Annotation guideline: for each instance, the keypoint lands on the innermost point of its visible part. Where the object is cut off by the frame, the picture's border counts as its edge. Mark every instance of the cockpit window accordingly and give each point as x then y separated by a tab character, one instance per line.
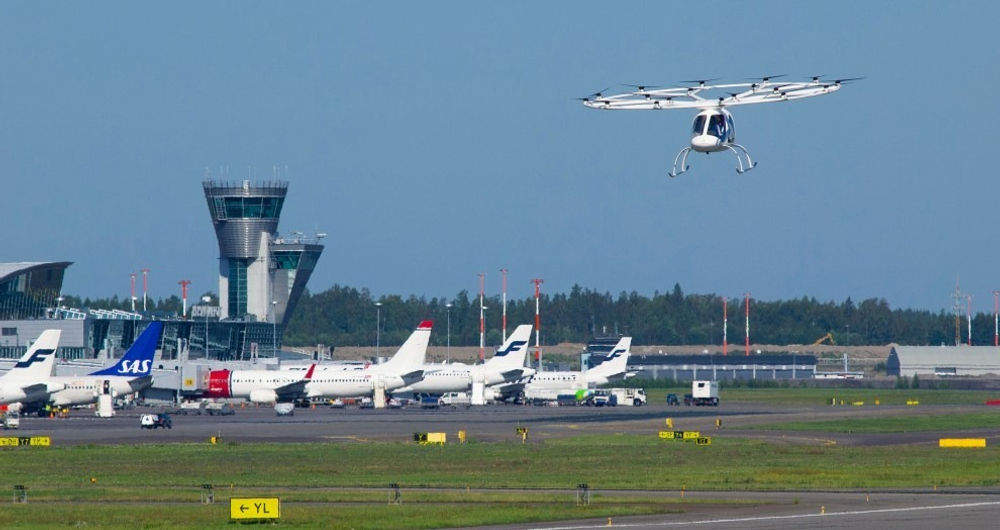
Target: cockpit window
718	126
699	125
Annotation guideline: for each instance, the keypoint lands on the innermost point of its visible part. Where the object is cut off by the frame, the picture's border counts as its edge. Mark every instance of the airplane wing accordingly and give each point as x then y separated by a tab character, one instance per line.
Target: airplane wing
296	389
413	377
36	389
513	375
140	383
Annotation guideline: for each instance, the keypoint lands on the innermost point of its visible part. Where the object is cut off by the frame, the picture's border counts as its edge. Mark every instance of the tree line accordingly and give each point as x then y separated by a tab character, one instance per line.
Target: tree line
346	316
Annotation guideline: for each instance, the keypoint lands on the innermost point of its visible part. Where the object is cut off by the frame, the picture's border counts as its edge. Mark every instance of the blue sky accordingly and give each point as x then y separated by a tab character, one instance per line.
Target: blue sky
432	141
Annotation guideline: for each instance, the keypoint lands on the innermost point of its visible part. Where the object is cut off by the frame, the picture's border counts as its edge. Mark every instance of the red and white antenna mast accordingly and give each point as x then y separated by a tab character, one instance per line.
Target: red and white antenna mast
184	297
504	324
133	275
725	325
968	316
996	318
482	318
747	295
145	272
538	325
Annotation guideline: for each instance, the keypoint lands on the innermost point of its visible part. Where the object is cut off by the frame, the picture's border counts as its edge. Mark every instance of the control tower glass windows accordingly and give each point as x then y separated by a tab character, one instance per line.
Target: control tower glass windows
238	287
246	207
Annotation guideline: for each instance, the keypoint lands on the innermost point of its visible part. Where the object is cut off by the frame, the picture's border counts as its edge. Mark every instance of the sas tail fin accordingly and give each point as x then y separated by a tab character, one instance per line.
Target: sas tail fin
413	352
37	362
512	353
138	360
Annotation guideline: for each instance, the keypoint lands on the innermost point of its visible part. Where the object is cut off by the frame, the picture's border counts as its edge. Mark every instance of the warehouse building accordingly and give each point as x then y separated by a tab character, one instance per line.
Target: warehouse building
908	361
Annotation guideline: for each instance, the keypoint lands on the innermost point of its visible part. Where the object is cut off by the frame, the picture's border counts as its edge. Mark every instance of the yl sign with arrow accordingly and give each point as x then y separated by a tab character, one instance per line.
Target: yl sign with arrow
254	508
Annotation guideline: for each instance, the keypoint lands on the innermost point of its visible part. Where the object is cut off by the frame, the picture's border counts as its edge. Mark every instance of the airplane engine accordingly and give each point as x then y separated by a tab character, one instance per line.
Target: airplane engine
263	396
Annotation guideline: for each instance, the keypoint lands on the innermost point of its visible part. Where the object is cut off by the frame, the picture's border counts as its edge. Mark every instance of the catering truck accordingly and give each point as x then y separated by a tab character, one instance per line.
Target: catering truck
703	393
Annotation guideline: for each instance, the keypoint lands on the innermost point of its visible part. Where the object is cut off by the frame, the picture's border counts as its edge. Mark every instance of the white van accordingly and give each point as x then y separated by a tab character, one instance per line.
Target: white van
456	399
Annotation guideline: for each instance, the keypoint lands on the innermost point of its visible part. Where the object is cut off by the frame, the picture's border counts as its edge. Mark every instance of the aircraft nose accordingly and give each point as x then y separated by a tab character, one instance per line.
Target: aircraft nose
704	143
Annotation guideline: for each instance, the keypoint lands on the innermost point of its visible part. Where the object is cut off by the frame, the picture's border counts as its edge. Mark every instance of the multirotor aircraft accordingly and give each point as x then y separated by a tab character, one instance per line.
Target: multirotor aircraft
713	129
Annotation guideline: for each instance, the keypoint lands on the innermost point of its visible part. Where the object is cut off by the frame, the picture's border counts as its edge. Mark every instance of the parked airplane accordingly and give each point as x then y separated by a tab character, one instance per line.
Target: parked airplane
406	367
548	385
506	365
29	379
273	386
132	373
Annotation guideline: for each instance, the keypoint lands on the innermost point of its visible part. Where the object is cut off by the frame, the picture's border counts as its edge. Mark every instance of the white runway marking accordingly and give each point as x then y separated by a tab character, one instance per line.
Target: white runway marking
775	517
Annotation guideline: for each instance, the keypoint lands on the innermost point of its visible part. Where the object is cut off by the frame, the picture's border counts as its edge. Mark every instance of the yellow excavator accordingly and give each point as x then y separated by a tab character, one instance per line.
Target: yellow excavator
827	337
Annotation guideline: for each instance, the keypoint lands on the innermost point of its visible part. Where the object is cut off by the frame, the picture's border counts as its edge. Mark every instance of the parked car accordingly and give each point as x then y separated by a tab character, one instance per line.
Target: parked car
155	421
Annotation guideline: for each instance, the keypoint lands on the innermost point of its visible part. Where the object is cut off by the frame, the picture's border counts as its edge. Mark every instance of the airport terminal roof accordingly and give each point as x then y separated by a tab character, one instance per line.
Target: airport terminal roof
11	269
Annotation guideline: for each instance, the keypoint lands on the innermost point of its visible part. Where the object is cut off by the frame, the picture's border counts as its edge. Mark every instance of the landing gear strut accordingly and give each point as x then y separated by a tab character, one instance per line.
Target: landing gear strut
740	155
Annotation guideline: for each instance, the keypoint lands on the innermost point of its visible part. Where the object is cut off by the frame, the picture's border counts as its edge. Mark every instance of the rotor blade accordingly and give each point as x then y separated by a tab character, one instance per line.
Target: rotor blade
847	80
816	78
701	82
766	78
642	88
595	95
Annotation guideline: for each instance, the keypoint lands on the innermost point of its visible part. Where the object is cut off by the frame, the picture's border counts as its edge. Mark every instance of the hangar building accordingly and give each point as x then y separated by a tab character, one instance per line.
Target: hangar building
908	361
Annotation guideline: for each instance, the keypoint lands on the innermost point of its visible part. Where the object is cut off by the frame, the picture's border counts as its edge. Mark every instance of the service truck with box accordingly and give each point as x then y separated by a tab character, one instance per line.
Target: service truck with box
703	393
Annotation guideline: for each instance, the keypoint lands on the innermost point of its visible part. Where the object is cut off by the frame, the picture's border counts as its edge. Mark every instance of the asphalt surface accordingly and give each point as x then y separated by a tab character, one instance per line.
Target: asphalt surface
782	510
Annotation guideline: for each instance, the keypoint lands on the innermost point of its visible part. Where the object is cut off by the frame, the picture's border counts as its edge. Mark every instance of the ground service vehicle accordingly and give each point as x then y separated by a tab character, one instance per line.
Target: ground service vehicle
11	420
455	399
284	409
155	421
220	409
672	399
628	397
192	407
703	393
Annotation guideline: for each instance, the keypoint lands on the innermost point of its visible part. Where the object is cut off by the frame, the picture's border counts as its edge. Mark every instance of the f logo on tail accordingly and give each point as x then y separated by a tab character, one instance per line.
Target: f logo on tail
514	346
614	355
38	356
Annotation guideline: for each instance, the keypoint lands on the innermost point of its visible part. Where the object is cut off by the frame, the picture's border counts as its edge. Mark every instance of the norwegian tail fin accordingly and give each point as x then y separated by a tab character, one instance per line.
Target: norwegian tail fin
138	360
37	362
412	354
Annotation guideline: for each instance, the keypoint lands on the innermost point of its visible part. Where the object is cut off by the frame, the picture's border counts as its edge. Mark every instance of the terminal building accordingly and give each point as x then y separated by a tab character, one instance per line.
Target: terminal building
262	275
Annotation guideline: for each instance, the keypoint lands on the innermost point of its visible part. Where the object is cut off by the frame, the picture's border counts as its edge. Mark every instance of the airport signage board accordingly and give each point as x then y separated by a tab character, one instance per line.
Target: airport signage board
9	441
254	508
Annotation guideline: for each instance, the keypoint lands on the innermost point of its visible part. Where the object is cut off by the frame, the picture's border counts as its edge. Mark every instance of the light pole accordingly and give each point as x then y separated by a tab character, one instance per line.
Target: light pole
378	326
274	328
448	349
59	301
206	300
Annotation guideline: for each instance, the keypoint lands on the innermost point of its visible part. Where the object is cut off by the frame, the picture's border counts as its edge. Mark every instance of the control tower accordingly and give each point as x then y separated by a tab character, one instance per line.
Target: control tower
261	275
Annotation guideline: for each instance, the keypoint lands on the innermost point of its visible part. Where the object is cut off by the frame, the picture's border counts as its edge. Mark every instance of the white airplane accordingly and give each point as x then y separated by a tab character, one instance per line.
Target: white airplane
506	365
132	373
548	385
273	386
29	379
714	130
406	367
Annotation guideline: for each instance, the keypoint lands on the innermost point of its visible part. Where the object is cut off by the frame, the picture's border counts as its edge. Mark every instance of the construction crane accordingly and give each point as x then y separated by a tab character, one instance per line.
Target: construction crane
827	337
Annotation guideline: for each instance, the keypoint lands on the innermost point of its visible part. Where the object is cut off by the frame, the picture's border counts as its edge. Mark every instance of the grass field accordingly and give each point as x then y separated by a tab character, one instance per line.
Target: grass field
823	396
345	486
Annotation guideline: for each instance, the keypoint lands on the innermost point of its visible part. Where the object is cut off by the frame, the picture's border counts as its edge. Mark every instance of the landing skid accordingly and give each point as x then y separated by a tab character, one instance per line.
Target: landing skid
740	155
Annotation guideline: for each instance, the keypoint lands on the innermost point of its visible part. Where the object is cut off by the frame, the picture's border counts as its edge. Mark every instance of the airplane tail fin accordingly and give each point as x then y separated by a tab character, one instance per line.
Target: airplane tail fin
512	353
413	352
616	361
37	362
138	360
